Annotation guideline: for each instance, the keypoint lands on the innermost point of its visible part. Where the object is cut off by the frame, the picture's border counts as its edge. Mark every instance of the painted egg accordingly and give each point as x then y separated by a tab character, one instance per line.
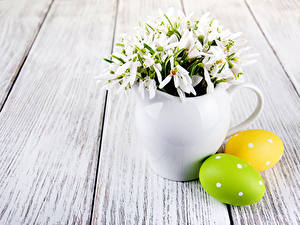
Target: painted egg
261	148
231	180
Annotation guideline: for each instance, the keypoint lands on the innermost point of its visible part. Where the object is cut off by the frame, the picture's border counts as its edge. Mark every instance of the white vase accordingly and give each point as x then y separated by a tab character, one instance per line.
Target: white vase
179	135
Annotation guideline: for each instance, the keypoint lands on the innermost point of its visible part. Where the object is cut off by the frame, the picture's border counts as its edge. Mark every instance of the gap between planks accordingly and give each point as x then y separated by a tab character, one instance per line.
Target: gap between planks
271	46
227	206
229	210
182	213
45	31
103	121
24	58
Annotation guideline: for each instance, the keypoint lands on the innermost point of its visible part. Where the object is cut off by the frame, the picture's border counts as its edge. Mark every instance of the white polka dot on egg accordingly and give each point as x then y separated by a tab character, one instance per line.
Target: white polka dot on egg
250	145
239	166
218	185
241	193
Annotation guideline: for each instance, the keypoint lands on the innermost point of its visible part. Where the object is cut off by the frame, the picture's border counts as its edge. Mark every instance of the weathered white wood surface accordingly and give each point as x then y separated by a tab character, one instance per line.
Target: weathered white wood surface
128	192
50	123
50	126
20	21
280	22
280	204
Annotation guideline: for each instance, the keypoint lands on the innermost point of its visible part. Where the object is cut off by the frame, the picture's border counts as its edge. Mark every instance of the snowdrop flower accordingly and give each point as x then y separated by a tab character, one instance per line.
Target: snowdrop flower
157	67
189	50
147	84
182	80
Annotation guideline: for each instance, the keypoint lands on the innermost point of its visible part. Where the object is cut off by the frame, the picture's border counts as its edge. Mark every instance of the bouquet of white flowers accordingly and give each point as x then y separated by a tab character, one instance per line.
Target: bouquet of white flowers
197	54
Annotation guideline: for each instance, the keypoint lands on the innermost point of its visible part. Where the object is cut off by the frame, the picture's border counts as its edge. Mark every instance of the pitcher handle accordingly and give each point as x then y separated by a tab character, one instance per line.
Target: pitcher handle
232	89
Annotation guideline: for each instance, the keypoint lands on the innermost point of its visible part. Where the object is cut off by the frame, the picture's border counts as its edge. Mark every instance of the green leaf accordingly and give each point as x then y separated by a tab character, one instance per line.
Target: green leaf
201	38
107	60
147	29
118	58
192	64
193	69
140	58
195	27
220	70
169	21
219	81
175	55
229	44
150	27
210	23
201	65
165	63
160	48
149	48
230	56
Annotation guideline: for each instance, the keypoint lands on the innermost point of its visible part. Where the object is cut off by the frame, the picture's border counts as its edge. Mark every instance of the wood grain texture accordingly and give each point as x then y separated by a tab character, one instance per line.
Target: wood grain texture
19	25
50	123
128	191
280	22
281	204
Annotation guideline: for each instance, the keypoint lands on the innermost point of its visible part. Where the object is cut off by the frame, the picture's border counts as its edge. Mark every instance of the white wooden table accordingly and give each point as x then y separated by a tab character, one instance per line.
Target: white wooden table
68	151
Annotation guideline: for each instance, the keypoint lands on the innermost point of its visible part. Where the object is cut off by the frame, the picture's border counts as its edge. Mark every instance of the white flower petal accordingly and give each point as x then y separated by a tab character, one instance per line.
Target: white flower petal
165	81
173	38
158	66
194	53
172	45
181	94
149	62
152	88
182	70
123	68
176	81
236	69
157	72
184	86
133	70
172	62
196	79
193	91
141	89
210	85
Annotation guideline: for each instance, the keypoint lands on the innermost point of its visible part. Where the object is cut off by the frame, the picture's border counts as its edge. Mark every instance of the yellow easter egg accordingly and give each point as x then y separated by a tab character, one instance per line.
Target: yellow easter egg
260	148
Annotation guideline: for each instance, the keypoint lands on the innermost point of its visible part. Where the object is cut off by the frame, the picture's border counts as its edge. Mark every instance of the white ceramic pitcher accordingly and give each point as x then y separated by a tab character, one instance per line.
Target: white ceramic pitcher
179	135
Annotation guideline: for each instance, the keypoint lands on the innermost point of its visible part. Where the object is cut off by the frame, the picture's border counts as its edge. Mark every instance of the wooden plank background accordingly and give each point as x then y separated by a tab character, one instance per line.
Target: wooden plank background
280	115
19	26
57	164
279	22
50	124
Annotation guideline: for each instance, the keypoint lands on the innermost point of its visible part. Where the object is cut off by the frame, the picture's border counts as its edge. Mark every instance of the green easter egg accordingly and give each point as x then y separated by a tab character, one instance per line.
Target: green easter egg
231	180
